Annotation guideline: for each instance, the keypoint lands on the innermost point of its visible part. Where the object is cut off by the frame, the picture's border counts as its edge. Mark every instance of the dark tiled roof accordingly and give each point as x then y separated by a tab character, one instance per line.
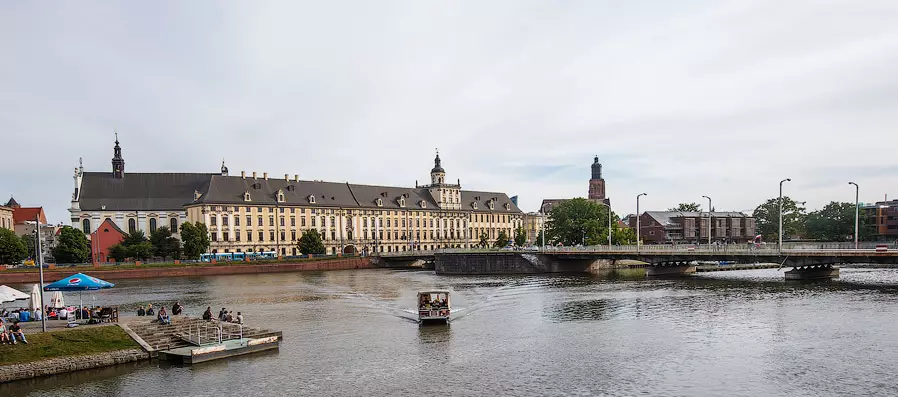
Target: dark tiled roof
12	202
140	191
230	190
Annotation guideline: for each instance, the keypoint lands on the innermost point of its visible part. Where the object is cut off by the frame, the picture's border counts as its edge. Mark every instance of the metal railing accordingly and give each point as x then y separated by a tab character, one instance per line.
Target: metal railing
212	332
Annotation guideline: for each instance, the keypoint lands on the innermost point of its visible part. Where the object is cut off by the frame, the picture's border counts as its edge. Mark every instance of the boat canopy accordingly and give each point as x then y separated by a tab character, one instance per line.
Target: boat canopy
433	292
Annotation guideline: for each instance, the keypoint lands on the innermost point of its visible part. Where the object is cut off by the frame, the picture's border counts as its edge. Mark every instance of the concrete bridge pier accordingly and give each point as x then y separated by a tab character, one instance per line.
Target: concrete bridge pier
669	269
813	272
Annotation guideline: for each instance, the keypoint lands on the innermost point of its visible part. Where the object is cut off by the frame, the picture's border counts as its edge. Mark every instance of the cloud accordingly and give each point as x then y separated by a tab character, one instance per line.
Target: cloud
678	100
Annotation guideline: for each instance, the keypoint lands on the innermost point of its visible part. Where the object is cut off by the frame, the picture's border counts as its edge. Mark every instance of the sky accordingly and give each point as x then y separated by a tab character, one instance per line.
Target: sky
678	99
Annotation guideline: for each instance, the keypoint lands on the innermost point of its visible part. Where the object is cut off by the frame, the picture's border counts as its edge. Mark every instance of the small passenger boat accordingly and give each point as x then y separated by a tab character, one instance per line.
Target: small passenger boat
433	307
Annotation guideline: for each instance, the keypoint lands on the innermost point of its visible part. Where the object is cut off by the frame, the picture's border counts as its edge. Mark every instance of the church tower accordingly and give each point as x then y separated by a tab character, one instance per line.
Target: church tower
597	183
437	174
447	196
118	163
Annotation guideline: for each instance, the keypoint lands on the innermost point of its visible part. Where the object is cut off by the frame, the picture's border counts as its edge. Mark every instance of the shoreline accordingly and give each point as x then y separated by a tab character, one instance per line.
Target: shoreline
60	365
186	270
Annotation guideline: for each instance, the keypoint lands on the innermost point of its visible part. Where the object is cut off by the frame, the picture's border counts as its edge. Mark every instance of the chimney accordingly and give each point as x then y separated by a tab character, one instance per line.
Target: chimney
254	174
287	177
265	176
296	177
243	174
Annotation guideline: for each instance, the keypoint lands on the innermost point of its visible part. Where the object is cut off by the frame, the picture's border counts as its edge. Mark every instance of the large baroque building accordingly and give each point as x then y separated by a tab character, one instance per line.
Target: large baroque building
255	213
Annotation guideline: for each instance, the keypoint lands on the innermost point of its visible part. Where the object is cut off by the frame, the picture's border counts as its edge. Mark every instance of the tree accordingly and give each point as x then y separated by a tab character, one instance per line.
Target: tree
767	218
140	251
28	240
164	244
119	253
501	240
72	246
310	243
136	237
686	207
12	249
539	239
577	221
834	222
520	237
484	240
196	239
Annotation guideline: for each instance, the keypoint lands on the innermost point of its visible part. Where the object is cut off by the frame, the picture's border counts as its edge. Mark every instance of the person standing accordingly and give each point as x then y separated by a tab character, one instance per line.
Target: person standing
207	315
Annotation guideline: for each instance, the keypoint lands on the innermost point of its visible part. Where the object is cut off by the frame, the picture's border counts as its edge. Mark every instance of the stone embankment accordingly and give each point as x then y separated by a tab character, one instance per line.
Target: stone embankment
110	273
68	364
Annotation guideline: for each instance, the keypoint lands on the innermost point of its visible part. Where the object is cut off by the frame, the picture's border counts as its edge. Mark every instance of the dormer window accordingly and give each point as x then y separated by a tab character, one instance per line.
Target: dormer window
402	201
423	204
246	196
507	206
196	195
474	205
380	202
281	197
492	205
311	199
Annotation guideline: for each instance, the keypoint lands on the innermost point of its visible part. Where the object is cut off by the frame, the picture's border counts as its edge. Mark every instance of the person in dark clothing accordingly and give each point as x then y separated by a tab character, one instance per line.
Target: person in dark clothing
141	311
177	309
207	315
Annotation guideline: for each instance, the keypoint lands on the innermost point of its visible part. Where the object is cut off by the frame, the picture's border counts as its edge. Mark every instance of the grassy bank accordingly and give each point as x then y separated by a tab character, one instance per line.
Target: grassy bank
70	342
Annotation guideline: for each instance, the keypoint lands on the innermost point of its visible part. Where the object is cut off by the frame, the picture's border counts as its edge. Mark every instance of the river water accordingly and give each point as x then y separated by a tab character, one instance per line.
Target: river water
347	333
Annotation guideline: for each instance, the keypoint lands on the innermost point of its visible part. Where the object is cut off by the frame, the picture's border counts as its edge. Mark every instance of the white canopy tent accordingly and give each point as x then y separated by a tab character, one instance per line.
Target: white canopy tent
9	294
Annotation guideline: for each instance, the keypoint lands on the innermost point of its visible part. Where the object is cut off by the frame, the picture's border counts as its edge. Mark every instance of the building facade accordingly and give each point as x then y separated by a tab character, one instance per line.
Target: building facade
105	236
262	214
533	225
255	213
664	227
6	219
881	219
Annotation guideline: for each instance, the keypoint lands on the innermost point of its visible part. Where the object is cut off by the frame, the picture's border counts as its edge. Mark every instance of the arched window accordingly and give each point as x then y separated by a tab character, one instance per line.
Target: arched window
132	225
85	225
152	225
173	225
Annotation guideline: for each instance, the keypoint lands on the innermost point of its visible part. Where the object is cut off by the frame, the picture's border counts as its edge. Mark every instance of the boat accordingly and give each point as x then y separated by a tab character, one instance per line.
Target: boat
433	307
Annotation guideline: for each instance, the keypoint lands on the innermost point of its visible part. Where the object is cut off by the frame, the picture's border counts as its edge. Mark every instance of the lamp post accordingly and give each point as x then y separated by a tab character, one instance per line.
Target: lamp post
39	261
710	218
638	226
609	222
780	246
857	192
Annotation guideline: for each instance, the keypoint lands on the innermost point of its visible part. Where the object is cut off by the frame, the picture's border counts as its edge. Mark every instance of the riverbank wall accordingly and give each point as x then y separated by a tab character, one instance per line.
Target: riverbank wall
111	273
60	365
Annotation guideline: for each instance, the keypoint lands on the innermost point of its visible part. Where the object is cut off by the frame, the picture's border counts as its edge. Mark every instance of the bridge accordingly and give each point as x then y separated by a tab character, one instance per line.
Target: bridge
807	261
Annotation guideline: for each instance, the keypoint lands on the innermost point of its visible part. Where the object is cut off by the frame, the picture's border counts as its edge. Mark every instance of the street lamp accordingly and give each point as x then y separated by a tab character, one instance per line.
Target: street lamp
609	222
710	218
781	214
857	192
638	226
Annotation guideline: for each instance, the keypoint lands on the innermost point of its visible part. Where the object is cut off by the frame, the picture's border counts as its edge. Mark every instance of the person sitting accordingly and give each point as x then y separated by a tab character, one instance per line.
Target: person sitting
229	317
141	312
62	314
16	333
150	310
4	336
96	312
177	309
52	314
24	316
38	316
239	319
207	315
222	315
163	316
85	312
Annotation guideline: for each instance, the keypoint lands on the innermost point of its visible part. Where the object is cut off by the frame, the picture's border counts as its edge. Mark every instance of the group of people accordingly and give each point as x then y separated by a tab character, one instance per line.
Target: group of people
162	317
12	333
22	314
224	316
437	303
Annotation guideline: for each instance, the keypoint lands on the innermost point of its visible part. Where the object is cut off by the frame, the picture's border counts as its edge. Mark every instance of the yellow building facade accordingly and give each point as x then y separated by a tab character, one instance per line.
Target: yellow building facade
261	214
6	220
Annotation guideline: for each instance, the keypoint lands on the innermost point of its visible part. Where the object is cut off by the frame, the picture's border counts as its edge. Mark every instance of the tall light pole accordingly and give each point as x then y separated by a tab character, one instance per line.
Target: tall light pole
781	214
609	222
710	218
857	194
39	261
638	226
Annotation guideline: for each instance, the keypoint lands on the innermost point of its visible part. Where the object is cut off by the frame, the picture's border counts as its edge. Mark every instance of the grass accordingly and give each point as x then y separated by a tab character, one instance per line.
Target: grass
66	343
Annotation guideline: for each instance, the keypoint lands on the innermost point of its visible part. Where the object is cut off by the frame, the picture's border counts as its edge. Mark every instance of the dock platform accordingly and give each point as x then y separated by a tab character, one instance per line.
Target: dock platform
226	349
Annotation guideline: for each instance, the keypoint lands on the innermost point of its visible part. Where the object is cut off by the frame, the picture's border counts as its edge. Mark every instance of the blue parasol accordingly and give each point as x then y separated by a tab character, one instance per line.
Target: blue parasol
79	282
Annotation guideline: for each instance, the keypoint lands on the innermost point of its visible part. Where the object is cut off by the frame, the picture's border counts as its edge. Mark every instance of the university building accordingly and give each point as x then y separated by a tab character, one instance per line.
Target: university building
258	213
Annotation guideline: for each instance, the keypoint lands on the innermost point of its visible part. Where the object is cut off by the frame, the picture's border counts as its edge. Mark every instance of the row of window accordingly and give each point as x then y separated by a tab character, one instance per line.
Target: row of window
132	225
331	211
365	235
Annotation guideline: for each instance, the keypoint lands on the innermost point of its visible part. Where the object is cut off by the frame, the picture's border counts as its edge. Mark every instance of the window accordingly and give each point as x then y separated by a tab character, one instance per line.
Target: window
224	236
214	236
132	225
403	222
313	221
236	220
283	236
312	199
246	196
152	225
417	223
224	220
364	222
302	221
282	220
213	220
282	210
249	220
271	220
651	232
271	235
249	236
173	225
380	202
237	237
261	236
292	210
85	226
388	222
292	221
260	220
293	235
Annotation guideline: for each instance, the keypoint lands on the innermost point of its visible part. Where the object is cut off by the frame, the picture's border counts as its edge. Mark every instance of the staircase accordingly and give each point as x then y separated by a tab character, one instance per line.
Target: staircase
154	337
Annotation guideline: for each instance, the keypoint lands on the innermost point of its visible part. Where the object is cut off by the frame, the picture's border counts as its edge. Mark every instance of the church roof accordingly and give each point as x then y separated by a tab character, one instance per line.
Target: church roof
12	203
139	191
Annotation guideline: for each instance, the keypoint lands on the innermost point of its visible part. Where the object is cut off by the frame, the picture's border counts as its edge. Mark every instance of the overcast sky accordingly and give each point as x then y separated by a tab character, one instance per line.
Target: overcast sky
679	99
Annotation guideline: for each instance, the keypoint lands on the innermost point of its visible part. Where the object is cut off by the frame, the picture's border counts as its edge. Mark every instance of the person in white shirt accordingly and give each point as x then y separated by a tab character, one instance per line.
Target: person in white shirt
63	314
239	319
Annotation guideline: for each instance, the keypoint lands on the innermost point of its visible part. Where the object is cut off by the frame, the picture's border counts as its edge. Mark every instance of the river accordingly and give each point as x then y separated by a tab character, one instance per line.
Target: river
347	333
